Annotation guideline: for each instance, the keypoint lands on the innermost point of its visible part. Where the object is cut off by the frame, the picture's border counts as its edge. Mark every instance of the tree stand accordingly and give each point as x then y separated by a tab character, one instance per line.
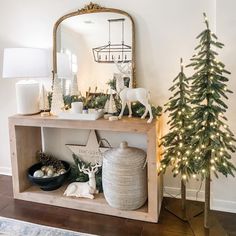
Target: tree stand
206	224
183	209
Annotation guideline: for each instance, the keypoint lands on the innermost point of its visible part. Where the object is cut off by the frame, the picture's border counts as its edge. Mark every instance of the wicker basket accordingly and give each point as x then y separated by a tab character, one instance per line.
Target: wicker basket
124	177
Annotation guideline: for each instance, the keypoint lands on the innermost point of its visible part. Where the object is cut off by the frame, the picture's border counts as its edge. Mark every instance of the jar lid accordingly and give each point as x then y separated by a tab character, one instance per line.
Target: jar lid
126	154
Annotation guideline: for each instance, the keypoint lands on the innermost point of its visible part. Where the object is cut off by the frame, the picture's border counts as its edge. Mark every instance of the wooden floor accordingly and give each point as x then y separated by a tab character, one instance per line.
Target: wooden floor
98	224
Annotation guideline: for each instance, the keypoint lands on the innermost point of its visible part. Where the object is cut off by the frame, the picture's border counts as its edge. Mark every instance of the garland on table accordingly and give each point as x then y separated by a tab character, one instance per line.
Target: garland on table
98	101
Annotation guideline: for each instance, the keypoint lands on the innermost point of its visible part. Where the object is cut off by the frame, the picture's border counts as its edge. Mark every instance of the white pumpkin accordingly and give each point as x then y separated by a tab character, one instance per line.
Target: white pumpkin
38	174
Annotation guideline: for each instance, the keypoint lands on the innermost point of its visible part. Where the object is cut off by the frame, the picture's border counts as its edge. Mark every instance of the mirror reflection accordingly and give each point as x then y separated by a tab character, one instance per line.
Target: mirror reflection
91	48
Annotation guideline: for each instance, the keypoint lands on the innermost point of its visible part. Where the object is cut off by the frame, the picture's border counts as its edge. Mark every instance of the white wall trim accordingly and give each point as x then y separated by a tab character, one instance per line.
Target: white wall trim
222	205
217	204
5	171
190	193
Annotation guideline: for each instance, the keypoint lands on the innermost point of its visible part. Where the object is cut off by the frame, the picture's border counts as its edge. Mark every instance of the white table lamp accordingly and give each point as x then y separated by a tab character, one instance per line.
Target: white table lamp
27	63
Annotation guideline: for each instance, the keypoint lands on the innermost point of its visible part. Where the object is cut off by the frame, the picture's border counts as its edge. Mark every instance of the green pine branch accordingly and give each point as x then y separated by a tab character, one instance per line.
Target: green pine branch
212	141
176	142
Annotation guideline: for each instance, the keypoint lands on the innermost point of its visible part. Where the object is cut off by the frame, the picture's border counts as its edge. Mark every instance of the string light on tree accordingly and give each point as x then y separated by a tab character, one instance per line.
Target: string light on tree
184	177
177	139
179	123
209	94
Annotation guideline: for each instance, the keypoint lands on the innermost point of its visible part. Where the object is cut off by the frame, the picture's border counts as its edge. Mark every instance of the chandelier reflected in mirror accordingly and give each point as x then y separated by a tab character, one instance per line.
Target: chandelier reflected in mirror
114	52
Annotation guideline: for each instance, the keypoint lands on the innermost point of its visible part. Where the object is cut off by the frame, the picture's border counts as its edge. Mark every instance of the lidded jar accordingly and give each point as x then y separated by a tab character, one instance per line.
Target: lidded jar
124	177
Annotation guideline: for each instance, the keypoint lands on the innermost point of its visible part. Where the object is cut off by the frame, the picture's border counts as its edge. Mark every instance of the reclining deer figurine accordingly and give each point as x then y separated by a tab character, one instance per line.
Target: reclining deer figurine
128	95
86	189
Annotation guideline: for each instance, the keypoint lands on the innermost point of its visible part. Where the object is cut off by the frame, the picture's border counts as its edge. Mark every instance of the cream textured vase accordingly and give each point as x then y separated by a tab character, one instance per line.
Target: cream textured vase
124	177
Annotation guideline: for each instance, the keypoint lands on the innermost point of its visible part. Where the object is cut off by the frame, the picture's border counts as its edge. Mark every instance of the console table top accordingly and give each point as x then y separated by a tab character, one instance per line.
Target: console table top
125	124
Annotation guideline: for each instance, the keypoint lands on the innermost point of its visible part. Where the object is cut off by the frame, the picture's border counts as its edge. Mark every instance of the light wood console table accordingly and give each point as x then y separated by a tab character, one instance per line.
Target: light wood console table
25	140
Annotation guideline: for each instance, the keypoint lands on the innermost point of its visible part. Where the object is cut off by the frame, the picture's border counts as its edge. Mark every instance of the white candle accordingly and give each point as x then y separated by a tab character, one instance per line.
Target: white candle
76	107
27	97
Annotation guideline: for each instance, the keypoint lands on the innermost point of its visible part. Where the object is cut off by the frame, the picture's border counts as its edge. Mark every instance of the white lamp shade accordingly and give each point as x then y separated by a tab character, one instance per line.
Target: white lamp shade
63	66
26	63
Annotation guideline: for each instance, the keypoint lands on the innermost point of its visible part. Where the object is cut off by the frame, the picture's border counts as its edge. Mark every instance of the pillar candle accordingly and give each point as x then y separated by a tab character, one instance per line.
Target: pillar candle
76	107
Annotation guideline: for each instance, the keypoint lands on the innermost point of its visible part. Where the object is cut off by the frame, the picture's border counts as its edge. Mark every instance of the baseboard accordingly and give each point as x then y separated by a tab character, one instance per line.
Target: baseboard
217	204
191	194
222	205
5	171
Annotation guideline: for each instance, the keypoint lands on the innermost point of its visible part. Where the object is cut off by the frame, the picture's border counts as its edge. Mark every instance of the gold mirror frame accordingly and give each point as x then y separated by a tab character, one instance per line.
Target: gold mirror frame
92	8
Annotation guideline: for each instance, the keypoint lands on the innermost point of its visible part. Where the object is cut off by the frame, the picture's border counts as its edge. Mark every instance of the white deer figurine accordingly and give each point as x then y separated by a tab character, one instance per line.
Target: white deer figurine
86	189
128	95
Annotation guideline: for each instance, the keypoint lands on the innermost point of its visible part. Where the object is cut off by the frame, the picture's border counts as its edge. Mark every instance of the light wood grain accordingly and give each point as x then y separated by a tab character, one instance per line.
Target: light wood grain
159	132
135	125
97	205
152	173
25	140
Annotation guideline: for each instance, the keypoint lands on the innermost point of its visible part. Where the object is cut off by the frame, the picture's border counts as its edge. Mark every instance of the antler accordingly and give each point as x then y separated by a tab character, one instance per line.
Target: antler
94	168
124	68
83	169
119	82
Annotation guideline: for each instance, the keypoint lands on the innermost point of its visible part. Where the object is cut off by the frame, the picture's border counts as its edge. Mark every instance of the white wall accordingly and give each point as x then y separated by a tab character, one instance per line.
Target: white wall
224	189
165	31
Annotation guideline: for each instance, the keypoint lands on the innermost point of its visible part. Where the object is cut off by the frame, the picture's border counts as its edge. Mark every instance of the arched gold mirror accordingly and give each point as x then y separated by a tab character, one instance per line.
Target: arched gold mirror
94	43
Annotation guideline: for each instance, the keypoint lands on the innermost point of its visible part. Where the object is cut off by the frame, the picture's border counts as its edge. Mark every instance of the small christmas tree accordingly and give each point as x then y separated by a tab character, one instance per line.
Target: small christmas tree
74	87
57	97
177	141
110	105
212	140
43	99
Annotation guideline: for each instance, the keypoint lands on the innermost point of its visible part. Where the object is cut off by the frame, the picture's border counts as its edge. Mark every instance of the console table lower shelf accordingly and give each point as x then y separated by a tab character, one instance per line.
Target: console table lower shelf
26	139
97	205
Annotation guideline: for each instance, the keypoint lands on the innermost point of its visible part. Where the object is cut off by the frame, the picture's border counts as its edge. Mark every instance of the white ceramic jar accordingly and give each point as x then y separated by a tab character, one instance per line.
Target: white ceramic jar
27	97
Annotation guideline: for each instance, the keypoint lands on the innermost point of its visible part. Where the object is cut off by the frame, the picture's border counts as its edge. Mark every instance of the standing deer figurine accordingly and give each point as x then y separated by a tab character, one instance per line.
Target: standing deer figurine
86	189
128	95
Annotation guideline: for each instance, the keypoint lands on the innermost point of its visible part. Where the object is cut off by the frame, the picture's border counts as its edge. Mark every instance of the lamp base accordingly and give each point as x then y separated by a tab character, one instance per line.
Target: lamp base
215	229
29	114
27	97
45	113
